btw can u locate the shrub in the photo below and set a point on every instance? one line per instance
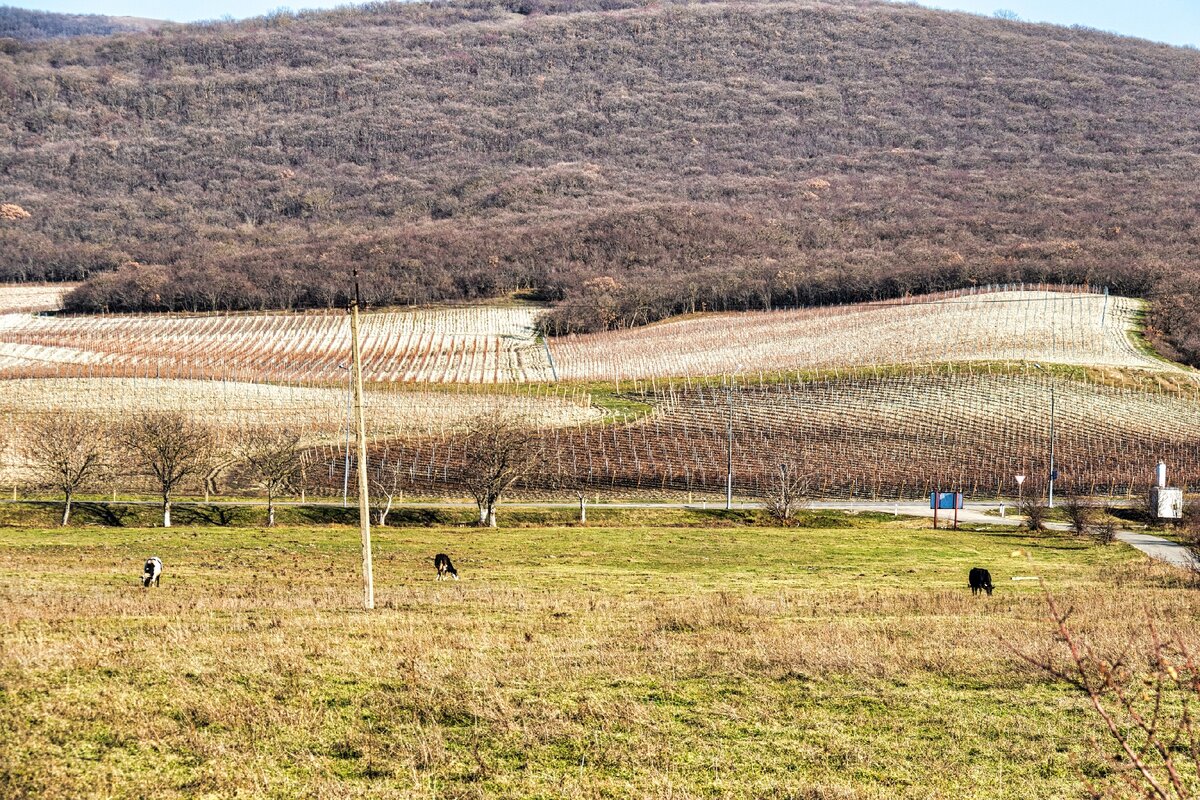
(1080, 515)
(1035, 512)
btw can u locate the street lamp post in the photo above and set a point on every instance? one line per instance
(1052, 470)
(729, 441)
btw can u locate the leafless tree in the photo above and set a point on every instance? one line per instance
(274, 458)
(387, 479)
(787, 492)
(66, 451)
(168, 448)
(500, 450)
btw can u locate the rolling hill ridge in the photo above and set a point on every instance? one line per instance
(624, 161)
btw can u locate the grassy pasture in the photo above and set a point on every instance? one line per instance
(568, 662)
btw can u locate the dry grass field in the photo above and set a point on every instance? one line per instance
(846, 660)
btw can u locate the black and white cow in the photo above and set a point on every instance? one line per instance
(152, 572)
(980, 580)
(444, 567)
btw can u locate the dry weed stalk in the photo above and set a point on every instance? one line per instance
(1152, 724)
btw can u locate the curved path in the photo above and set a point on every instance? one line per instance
(1161, 549)
(1156, 547)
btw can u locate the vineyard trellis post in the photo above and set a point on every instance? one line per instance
(364, 501)
(1050, 498)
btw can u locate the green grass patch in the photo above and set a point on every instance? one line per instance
(845, 658)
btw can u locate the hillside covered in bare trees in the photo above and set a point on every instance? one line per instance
(623, 160)
(22, 23)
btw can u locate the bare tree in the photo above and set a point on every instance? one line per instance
(66, 451)
(274, 459)
(168, 448)
(500, 450)
(786, 493)
(386, 482)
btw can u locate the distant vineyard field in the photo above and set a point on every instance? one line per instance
(1015, 325)
(21, 298)
(478, 344)
(856, 398)
(886, 436)
(319, 414)
(317, 410)
(492, 345)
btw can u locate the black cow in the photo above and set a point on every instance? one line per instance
(980, 580)
(444, 567)
(152, 572)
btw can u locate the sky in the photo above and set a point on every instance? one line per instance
(1172, 21)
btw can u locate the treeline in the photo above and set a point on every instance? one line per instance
(22, 23)
(627, 163)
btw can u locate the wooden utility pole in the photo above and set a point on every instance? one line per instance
(364, 501)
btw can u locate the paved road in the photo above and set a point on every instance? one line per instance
(1155, 547)
(1162, 549)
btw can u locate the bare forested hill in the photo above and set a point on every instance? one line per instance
(22, 23)
(624, 160)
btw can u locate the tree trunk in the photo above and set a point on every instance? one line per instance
(166, 511)
(582, 509)
(491, 516)
(270, 511)
(66, 515)
(383, 512)
(483, 515)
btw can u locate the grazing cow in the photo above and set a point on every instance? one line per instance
(152, 572)
(444, 567)
(980, 580)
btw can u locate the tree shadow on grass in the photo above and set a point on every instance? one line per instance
(221, 516)
(107, 514)
(397, 518)
(1137, 516)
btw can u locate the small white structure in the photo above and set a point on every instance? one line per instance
(1166, 501)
